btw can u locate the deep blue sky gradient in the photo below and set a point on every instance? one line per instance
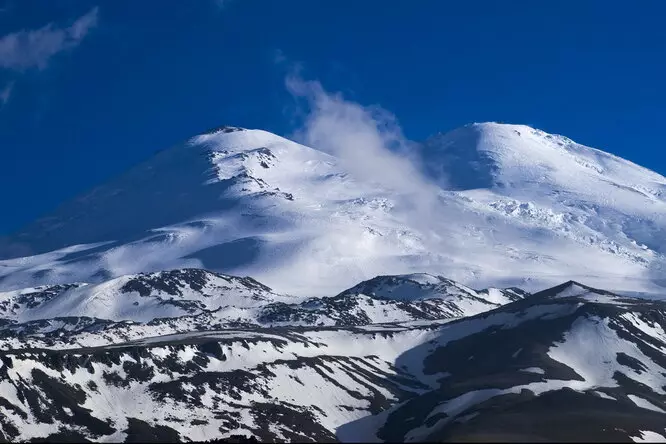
(153, 73)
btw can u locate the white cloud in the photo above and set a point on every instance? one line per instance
(221, 4)
(34, 48)
(368, 142)
(6, 93)
(366, 139)
(279, 57)
(84, 24)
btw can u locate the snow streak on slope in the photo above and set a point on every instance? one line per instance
(519, 208)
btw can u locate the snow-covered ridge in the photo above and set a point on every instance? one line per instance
(526, 152)
(586, 294)
(136, 306)
(423, 286)
(139, 298)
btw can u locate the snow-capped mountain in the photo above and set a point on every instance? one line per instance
(361, 314)
(570, 363)
(505, 205)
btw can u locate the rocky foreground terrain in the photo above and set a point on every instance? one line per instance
(397, 358)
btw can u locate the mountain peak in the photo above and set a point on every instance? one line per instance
(496, 125)
(495, 155)
(566, 289)
(225, 129)
(489, 126)
(425, 286)
(583, 293)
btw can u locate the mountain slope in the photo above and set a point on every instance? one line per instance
(570, 363)
(235, 201)
(583, 213)
(203, 386)
(180, 301)
(504, 205)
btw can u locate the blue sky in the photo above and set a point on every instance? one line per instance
(90, 88)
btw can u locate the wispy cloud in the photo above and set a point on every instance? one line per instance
(367, 139)
(34, 48)
(369, 144)
(221, 4)
(6, 93)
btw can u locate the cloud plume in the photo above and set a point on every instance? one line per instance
(34, 48)
(6, 93)
(221, 4)
(367, 141)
